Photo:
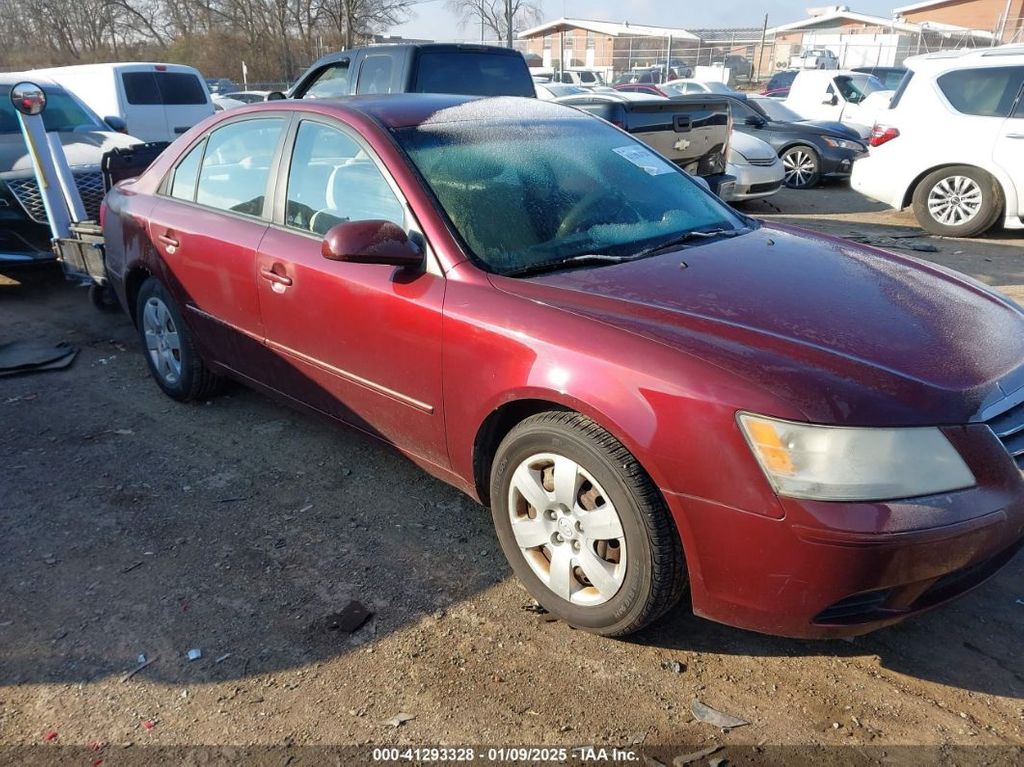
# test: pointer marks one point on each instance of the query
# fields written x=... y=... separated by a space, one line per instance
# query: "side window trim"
x=270 y=190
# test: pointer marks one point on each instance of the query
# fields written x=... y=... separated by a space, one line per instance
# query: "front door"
x=361 y=342
x=207 y=227
x=1009 y=149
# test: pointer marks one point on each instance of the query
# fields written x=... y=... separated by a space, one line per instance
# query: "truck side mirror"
x=276 y=96
x=28 y=98
x=830 y=100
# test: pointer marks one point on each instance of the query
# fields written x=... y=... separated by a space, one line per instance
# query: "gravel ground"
x=132 y=525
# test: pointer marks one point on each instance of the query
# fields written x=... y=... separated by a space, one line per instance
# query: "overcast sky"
x=432 y=19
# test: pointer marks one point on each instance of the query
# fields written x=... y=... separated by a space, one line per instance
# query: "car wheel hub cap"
x=799 y=168
x=955 y=200
x=162 y=340
x=567 y=529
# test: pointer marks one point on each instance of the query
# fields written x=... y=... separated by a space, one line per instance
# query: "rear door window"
x=158 y=88
x=375 y=75
x=236 y=166
x=183 y=185
x=472 y=74
x=984 y=92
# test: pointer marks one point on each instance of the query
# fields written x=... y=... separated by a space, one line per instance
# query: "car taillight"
x=882 y=134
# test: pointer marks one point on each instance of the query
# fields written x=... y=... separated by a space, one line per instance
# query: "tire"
x=958 y=201
x=802 y=166
x=170 y=351
x=620 y=570
x=103 y=298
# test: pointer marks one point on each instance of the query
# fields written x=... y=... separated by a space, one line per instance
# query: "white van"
x=854 y=98
x=157 y=102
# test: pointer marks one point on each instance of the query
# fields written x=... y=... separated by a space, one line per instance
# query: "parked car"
x=809 y=151
x=778 y=87
x=693 y=132
x=968 y=177
x=890 y=77
x=248 y=97
x=220 y=86
x=683 y=87
x=472 y=70
x=24 y=231
x=758 y=171
x=815 y=58
x=844 y=96
x=643 y=75
x=578 y=76
x=156 y=102
x=739 y=66
x=220 y=103
x=776 y=109
x=804 y=435
x=552 y=91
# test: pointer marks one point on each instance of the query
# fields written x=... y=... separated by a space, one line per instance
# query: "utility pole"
x=508 y=22
x=760 y=51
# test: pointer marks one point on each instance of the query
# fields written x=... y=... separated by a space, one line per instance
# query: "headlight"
x=842 y=143
x=834 y=463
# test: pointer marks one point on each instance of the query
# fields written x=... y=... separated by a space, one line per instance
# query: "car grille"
x=1009 y=427
x=764 y=163
x=90 y=187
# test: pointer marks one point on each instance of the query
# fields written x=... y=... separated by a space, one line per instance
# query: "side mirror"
x=757 y=122
x=276 y=96
x=116 y=124
x=370 y=242
x=830 y=100
x=28 y=98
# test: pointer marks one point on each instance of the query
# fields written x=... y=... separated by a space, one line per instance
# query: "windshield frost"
x=553 y=185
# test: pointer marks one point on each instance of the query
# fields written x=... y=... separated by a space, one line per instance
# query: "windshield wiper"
x=687 y=237
x=586 y=259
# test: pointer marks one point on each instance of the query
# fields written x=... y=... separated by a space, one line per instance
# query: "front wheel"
x=170 y=350
x=802 y=167
x=583 y=526
x=958 y=201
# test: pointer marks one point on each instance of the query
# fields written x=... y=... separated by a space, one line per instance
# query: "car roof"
x=1000 y=56
x=335 y=56
x=402 y=110
x=13 y=78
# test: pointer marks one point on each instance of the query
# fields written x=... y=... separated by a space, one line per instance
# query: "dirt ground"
x=131 y=525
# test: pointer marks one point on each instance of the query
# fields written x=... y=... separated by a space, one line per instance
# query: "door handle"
x=1015 y=135
x=278 y=279
x=171 y=243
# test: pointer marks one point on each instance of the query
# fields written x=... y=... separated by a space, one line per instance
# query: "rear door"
x=143 y=109
x=212 y=214
x=1009 y=149
x=161 y=102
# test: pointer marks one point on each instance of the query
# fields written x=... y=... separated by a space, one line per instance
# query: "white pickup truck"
x=815 y=58
x=853 y=98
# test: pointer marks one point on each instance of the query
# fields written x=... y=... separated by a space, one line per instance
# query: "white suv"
x=952 y=143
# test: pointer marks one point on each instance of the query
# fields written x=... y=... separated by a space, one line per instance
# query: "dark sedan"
x=803 y=435
x=810 y=151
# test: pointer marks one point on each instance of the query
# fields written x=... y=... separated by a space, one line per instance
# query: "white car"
x=952 y=143
x=683 y=87
x=845 y=96
x=758 y=170
x=157 y=102
x=816 y=58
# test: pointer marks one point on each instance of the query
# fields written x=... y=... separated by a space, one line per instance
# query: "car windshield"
x=62 y=114
x=673 y=89
x=856 y=88
x=775 y=110
x=527 y=192
x=714 y=87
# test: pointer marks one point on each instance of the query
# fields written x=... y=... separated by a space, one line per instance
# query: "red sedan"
x=654 y=394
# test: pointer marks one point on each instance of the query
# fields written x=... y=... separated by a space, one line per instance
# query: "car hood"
x=81 y=149
x=751 y=147
x=824 y=127
x=843 y=333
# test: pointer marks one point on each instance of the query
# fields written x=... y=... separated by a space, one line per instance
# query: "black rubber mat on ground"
x=22 y=357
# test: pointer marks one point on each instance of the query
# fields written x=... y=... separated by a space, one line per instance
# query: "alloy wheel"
x=162 y=340
x=567 y=529
x=955 y=200
x=800 y=167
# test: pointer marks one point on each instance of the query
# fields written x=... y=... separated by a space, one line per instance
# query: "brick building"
x=1005 y=18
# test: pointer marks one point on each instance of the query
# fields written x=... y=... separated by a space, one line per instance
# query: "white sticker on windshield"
x=645 y=159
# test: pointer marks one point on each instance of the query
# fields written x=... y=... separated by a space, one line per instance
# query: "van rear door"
x=163 y=101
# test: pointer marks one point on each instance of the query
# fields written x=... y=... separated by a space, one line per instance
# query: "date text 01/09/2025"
x=470 y=754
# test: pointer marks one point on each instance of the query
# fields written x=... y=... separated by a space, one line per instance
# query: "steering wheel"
x=589 y=207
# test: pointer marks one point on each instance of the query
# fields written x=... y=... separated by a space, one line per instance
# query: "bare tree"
x=502 y=17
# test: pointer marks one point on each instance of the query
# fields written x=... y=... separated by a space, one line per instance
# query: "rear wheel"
x=802 y=167
x=958 y=201
x=171 y=354
x=583 y=526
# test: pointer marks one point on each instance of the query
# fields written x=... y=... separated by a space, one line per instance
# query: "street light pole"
x=508 y=23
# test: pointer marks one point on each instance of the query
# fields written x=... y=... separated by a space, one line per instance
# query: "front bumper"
x=841 y=569
x=838 y=163
x=754 y=182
